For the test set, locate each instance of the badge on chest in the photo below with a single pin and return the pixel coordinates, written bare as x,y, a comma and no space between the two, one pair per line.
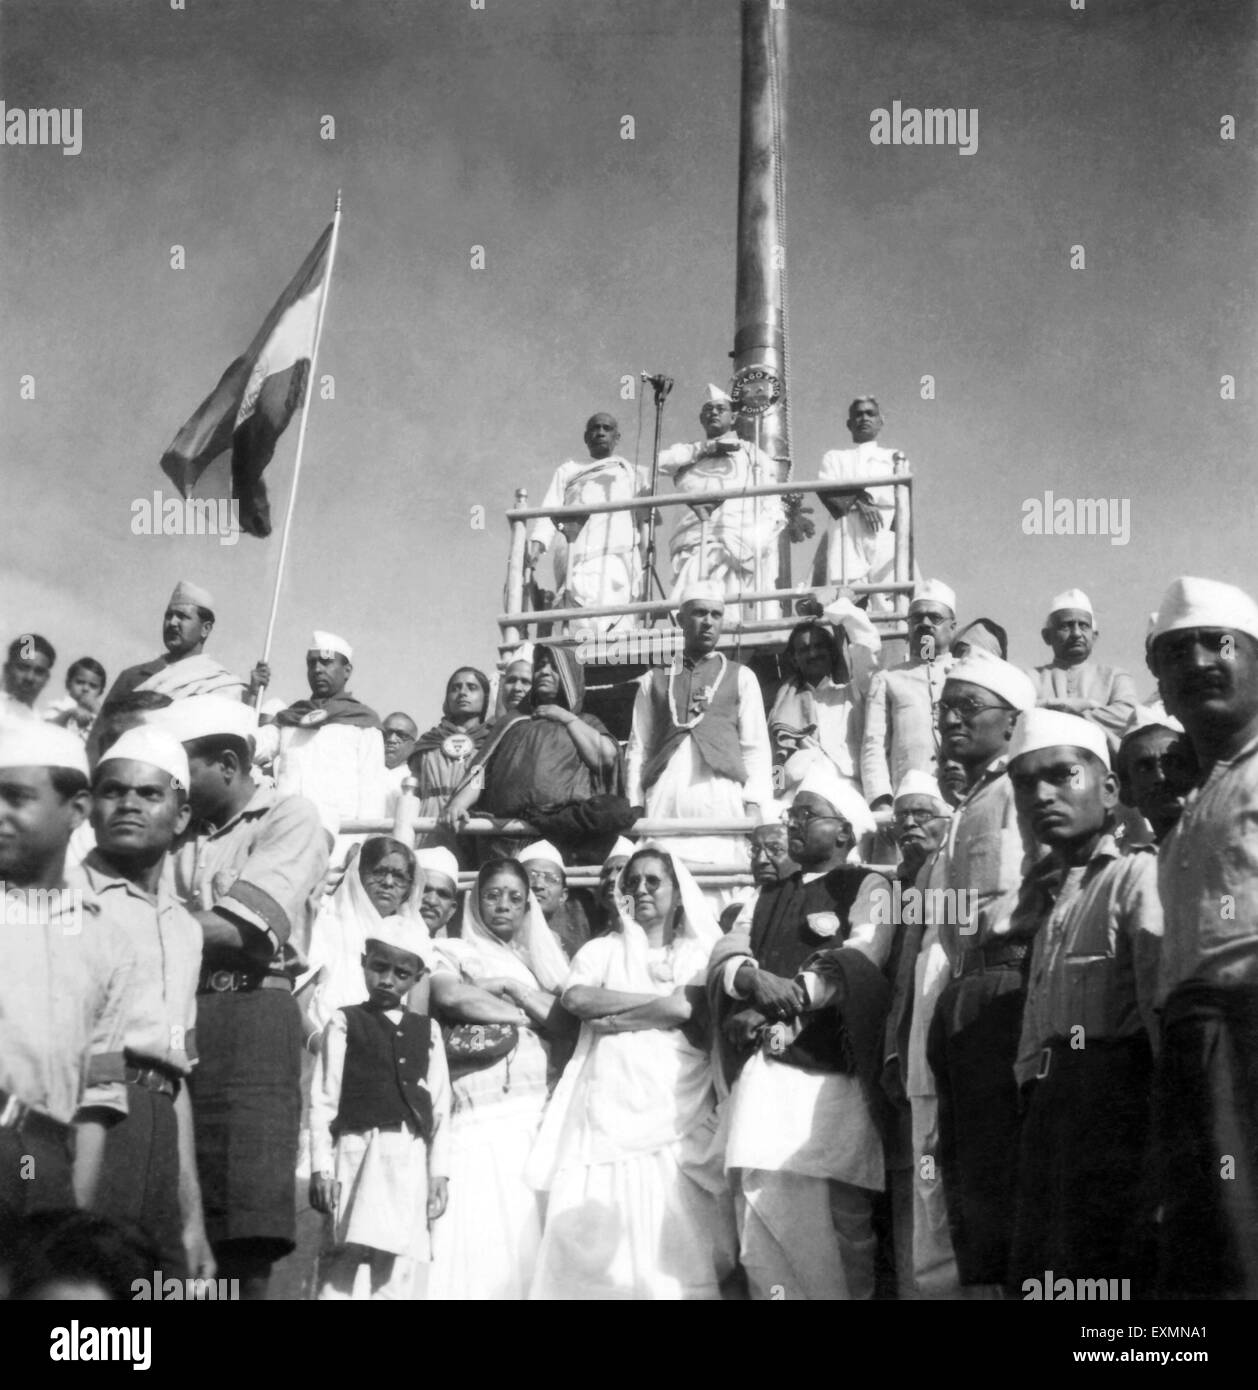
824,924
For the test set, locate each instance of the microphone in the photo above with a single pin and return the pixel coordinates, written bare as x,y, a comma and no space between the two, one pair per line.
660,383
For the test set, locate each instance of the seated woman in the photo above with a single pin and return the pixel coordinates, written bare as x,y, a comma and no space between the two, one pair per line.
638,1205
380,881
505,968
552,765
820,706
441,757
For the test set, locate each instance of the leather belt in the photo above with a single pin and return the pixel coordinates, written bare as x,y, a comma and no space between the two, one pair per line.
152,1079
994,955
15,1114
240,982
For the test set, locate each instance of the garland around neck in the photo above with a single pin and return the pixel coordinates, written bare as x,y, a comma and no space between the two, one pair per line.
710,692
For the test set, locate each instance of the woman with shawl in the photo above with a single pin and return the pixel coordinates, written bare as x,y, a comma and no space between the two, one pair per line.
442,756
638,1206
515,681
550,764
505,968
380,881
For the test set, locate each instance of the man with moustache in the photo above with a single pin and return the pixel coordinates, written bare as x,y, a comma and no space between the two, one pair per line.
973,1039
800,1002
1205,656
901,734
1072,682
601,564
1085,1059
1156,770
184,670
149,1171
439,895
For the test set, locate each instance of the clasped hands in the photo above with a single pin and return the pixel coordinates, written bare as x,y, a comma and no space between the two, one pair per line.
773,998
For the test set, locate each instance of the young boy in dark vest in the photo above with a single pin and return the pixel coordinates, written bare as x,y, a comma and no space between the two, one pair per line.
379,1127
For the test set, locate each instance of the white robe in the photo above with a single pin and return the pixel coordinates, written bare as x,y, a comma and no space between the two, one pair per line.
340,767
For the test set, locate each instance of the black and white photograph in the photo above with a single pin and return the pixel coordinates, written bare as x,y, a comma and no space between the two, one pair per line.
630,659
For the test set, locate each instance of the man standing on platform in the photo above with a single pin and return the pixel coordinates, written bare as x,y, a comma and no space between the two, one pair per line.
329,748
741,533
399,732
601,564
901,734
860,547
1205,656
250,868
1072,682
185,670
699,744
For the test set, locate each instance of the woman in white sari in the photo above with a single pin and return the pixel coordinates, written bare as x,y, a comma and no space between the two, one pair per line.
628,1151
505,968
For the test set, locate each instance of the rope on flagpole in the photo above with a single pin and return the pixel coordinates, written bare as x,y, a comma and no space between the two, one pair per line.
301,444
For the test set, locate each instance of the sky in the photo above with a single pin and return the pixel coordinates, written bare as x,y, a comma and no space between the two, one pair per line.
501,127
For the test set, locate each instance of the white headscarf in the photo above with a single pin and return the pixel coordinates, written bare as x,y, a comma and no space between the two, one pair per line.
346,919
697,931
534,956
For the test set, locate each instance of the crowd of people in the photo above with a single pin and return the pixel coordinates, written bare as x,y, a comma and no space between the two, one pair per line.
937,978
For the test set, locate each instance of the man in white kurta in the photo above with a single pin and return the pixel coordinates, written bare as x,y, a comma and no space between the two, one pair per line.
602,564
803,1148
737,545
699,744
859,547
1072,682
329,748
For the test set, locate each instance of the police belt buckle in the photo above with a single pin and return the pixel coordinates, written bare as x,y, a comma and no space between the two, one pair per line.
1046,1062
12,1112
221,981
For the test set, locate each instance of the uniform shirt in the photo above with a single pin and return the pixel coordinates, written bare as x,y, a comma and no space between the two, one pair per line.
325,1097
983,858
900,730
66,976
340,767
1112,689
1208,878
166,938
265,868
1098,930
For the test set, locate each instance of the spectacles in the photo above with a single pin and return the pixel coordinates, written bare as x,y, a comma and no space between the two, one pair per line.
807,817
914,817
966,709
545,876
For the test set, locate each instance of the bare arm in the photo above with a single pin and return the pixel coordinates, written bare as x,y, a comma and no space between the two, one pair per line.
460,1002
590,1001
196,1243
596,750
668,1011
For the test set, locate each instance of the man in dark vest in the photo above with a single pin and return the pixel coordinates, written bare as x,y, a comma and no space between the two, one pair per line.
699,746
800,998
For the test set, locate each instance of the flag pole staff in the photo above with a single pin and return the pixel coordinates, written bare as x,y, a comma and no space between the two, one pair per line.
301,443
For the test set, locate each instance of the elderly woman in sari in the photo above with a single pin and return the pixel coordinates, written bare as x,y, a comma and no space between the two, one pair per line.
380,881
638,1205
515,682
441,757
549,763
506,969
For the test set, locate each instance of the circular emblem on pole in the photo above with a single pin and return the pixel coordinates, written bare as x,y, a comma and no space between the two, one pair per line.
756,390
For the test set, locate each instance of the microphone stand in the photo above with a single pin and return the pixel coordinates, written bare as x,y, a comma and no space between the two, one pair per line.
661,385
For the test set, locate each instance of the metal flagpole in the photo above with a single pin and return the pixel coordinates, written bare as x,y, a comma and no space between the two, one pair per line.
301,442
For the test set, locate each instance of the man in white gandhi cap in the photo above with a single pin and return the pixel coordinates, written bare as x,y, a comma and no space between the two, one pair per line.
1204,653
184,670
699,744
601,564
329,748
741,533
1072,683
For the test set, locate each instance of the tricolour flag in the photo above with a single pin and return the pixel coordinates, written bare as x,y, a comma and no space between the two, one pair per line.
248,410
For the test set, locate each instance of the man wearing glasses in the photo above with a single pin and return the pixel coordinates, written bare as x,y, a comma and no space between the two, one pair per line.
804,1151
900,730
973,1037
565,915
